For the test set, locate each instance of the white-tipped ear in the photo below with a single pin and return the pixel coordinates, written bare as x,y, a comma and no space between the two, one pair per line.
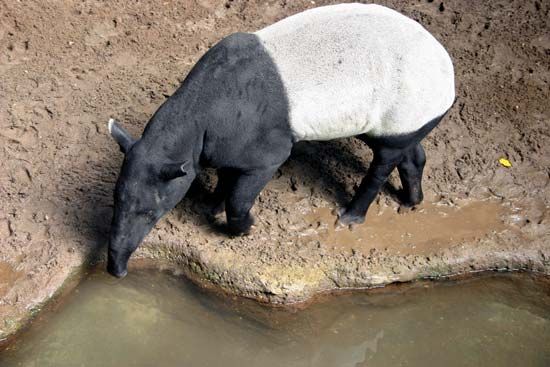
110,125
173,170
121,136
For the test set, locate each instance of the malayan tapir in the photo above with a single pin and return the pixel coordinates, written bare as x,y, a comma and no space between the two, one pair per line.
326,73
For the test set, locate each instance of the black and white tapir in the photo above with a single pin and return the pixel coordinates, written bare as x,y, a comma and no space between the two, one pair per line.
329,72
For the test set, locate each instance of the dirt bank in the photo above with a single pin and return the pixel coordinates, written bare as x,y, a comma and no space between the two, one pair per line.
66,67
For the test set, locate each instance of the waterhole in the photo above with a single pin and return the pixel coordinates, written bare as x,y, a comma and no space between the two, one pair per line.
155,319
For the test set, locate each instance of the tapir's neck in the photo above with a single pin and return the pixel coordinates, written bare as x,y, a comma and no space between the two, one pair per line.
172,134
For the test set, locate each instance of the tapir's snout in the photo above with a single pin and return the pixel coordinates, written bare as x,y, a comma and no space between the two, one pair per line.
124,239
116,270
117,260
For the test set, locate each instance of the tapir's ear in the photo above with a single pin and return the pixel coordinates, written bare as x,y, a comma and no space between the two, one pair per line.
121,136
173,170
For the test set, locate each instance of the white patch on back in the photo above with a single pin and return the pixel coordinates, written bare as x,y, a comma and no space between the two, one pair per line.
351,69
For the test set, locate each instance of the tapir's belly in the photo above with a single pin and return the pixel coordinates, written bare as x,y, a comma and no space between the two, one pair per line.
358,69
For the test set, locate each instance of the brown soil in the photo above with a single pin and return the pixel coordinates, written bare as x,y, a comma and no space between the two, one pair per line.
67,67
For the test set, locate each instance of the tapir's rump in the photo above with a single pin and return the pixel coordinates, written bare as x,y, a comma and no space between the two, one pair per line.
351,69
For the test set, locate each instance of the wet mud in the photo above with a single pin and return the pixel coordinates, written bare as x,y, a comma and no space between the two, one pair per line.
67,67
422,230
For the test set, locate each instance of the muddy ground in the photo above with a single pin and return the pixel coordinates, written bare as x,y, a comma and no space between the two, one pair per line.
66,67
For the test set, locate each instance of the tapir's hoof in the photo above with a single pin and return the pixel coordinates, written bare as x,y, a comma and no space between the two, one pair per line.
235,232
407,200
347,218
404,205
240,226
408,203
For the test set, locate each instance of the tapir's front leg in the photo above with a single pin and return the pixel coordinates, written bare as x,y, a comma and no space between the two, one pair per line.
241,197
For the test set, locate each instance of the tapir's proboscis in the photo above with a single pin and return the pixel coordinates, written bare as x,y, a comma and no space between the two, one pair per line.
329,72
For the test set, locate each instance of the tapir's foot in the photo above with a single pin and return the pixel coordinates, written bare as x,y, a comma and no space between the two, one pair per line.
237,226
408,201
410,196
348,217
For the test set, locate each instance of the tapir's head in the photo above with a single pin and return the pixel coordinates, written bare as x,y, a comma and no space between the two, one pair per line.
146,189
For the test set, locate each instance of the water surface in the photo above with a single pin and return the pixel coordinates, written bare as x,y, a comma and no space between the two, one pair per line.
156,319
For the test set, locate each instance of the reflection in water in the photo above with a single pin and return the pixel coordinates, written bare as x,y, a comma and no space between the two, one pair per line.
154,319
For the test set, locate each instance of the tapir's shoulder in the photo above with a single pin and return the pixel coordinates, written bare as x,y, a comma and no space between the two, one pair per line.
238,40
232,49
227,60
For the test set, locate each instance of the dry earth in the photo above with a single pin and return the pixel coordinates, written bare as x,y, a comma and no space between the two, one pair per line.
67,66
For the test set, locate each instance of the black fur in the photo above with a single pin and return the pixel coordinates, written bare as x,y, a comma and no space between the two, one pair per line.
231,112
402,141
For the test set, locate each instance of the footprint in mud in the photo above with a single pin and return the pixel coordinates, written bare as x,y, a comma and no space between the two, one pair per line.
14,53
101,33
27,137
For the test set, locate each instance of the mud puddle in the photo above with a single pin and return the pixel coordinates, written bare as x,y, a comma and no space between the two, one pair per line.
419,230
152,318
7,277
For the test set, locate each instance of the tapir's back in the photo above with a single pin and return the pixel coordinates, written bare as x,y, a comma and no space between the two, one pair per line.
352,68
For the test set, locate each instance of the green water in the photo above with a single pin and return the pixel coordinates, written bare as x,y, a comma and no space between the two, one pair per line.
155,319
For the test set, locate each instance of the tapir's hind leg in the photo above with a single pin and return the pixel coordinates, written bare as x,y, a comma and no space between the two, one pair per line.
241,198
410,171
403,152
383,163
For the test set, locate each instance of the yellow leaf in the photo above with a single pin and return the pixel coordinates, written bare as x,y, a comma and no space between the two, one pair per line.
505,162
